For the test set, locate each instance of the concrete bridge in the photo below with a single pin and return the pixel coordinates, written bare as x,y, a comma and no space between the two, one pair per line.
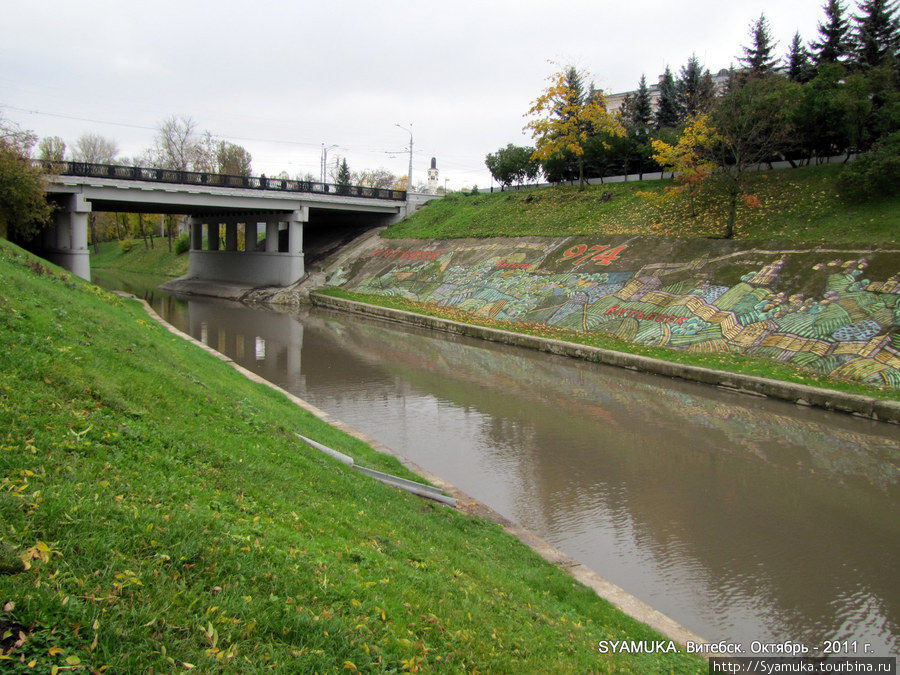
287,209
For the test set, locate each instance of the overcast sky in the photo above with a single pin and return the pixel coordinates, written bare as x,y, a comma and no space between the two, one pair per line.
281,78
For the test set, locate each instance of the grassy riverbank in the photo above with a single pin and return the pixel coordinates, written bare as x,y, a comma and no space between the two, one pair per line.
170,520
157,260
797,205
730,362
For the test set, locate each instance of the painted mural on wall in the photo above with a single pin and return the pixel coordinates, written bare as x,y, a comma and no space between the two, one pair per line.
835,312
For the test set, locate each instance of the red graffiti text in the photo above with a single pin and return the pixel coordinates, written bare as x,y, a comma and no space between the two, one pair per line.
637,314
598,253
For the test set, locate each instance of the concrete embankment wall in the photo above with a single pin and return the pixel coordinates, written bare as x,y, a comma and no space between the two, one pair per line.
831,310
863,406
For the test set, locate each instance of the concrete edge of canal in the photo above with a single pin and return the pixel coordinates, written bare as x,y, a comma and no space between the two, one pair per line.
618,597
800,394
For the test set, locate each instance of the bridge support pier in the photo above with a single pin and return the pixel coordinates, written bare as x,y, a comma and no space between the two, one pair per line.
65,242
275,266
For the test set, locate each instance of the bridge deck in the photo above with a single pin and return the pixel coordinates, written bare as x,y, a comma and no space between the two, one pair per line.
112,194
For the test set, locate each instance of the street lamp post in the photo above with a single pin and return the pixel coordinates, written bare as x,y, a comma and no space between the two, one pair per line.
324,160
409,182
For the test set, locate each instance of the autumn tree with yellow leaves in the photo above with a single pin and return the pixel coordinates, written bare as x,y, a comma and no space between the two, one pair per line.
565,118
688,159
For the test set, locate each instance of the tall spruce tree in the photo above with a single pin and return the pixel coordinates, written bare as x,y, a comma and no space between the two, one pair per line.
343,174
642,112
877,33
758,59
694,88
575,86
668,111
834,45
797,63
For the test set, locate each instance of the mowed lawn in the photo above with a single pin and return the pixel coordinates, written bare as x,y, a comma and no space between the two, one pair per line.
798,205
169,520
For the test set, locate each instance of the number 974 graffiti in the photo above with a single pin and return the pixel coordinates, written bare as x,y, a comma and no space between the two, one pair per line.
579,253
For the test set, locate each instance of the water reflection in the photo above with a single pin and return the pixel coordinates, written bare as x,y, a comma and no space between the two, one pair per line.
743,518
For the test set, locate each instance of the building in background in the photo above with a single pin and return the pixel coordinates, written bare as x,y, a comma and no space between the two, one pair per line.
433,177
614,101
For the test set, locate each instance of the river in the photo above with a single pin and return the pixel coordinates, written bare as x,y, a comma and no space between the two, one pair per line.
742,518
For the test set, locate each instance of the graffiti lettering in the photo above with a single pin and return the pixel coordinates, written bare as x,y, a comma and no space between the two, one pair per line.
504,264
637,314
403,254
597,252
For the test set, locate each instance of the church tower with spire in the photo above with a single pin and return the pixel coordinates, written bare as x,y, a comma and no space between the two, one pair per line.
433,176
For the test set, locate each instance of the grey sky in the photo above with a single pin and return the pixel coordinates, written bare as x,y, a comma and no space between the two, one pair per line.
302,73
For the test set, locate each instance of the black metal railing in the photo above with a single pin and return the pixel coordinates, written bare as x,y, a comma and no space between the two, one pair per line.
143,173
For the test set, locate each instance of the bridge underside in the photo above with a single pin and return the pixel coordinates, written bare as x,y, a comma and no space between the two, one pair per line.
239,236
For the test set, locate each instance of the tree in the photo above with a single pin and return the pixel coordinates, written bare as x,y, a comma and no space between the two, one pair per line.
343,175
512,164
23,206
178,146
746,128
695,90
855,102
796,63
636,115
877,34
95,149
818,117
689,159
565,119
758,59
752,123
374,178
834,45
874,174
232,159
52,149
668,111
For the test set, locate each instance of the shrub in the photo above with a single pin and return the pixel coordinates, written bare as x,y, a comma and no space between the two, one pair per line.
125,245
182,243
874,174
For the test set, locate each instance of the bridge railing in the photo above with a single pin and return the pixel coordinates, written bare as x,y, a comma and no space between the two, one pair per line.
154,175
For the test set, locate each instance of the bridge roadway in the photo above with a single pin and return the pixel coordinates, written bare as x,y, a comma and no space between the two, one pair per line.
283,207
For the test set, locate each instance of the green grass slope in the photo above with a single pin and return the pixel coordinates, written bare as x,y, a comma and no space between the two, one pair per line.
799,205
157,260
169,520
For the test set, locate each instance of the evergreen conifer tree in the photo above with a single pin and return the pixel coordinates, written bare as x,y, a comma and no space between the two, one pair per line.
694,88
835,43
576,95
668,112
343,174
758,59
877,35
797,61
642,115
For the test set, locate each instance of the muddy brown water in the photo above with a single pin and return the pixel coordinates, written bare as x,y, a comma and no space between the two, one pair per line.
742,518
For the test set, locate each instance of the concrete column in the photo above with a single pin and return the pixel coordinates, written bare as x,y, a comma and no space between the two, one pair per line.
72,237
272,235
231,236
63,230
295,232
196,234
250,236
212,235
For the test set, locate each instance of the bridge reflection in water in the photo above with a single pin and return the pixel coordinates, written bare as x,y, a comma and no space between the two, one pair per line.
741,518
